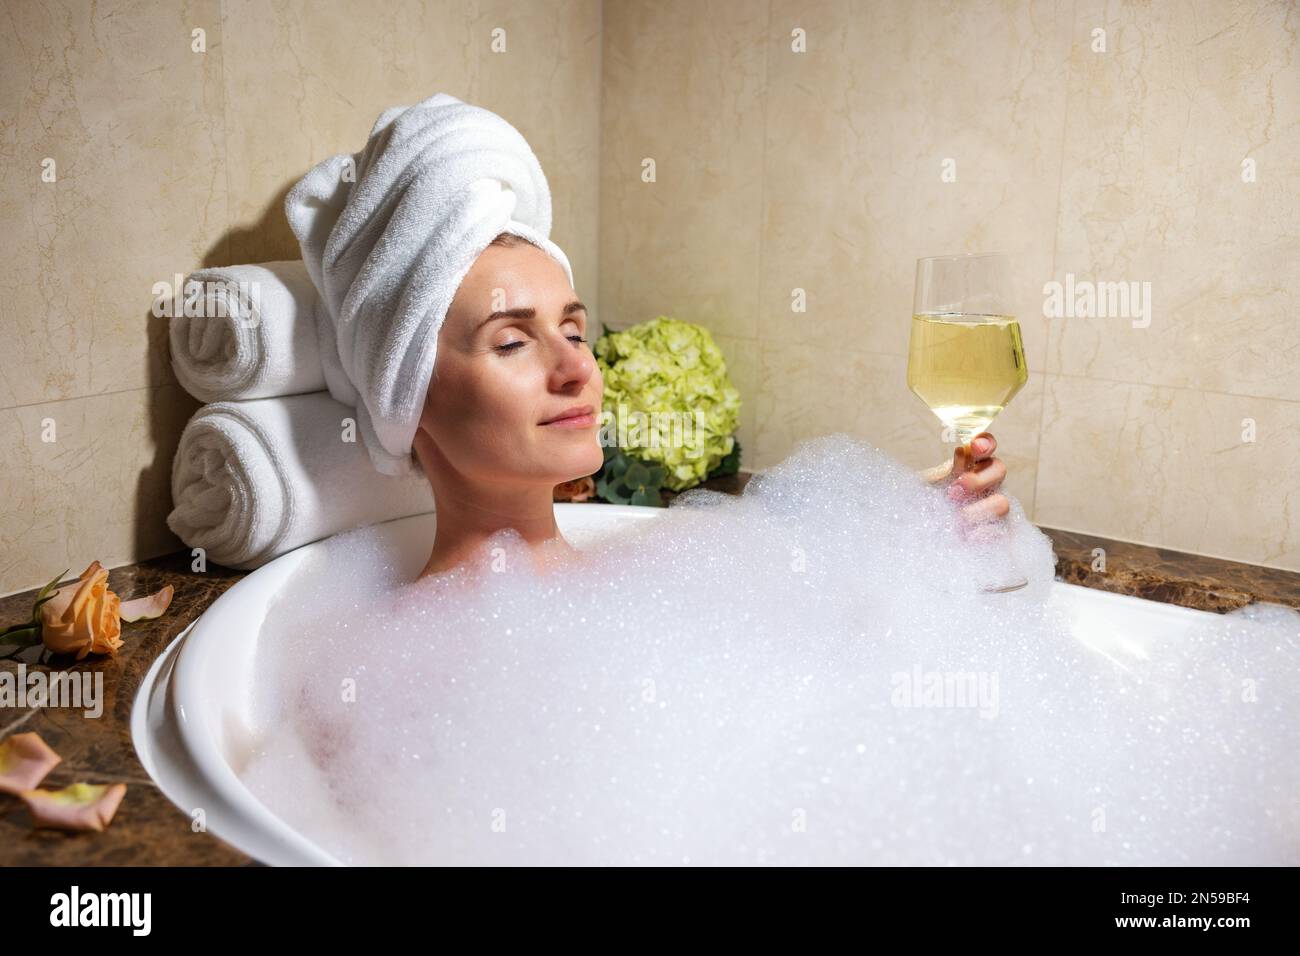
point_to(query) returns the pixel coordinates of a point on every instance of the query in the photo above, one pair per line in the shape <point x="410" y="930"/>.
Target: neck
<point x="468" y="513"/>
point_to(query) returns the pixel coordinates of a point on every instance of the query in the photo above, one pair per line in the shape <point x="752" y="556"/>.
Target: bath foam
<point x="807" y="673"/>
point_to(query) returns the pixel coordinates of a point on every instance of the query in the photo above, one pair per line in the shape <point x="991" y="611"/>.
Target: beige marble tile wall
<point x="1109" y="141"/>
<point x="165" y="159"/>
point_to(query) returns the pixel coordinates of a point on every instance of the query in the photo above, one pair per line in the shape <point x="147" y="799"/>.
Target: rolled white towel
<point x="252" y="480"/>
<point x="257" y="336"/>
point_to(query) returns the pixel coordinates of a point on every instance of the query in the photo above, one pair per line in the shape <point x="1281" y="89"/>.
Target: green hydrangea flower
<point x="668" y="399"/>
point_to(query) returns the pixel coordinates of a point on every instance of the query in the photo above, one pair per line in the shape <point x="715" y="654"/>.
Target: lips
<point x="577" y="416"/>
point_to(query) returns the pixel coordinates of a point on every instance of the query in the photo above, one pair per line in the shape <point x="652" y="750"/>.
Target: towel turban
<point x="387" y="235"/>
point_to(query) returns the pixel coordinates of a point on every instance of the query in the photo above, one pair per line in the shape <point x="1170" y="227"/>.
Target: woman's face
<point x="511" y="361"/>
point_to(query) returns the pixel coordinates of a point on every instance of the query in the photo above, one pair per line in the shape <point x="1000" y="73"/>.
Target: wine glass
<point x="966" y="360"/>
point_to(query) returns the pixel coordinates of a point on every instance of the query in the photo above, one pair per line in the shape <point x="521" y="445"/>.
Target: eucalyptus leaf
<point x="730" y="463"/>
<point x="646" y="498"/>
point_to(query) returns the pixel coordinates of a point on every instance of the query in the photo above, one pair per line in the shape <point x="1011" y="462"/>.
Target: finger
<point x="987" y="509"/>
<point x="982" y="446"/>
<point x="938" y="473"/>
<point x="960" y="460"/>
<point x="983" y="476"/>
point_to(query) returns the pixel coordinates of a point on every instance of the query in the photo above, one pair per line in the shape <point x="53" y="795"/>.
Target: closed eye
<point x="512" y="346"/>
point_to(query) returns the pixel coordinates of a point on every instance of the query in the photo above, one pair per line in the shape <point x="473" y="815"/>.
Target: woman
<point x="513" y="409"/>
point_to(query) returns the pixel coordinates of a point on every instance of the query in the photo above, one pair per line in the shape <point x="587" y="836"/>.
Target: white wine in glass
<point x="966" y="367"/>
<point x="966" y="359"/>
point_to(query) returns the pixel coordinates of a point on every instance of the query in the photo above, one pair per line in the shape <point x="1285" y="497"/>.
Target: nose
<point x="572" y="365"/>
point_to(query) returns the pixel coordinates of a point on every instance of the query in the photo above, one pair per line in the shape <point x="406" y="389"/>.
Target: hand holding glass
<point x="966" y="360"/>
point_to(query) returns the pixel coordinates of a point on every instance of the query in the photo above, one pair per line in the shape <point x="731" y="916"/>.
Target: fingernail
<point x="981" y="445"/>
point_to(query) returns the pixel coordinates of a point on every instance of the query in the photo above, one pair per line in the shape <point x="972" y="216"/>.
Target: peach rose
<point x="580" y="489"/>
<point x="83" y="617"/>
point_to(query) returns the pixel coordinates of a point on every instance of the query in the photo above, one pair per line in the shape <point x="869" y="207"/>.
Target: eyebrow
<point x="529" y="313"/>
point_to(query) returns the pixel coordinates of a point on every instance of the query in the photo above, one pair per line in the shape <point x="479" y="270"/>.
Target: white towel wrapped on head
<point x="252" y="480"/>
<point x="388" y="234"/>
<point x="256" y="336"/>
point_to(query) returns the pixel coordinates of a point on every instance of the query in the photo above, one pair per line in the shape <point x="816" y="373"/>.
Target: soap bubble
<point x="808" y="673"/>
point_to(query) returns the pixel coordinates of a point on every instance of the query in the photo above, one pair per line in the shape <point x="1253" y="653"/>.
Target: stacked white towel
<point x="254" y="335"/>
<point x="268" y="466"/>
<point x="252" y="480"/>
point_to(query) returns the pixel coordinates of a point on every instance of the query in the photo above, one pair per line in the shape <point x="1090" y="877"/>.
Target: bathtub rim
<point x="253" y="830"/>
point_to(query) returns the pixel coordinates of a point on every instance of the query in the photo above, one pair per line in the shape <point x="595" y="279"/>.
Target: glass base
<point x="1005" y="574"/>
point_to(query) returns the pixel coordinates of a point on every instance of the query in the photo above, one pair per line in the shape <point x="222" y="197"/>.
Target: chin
<point x="583" y="463"/>
<point x="568" y="456"/>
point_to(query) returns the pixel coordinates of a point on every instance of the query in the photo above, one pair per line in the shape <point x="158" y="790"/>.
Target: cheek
<point x="486" y="412"/>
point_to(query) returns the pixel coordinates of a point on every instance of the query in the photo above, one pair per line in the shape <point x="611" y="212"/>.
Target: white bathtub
<point x="192" y="712"/>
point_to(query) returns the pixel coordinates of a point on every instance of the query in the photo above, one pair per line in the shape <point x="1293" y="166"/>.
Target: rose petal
<point x="147" y="608"/>
<point x="25" y="759"/>
<point x="109" y="630"/>
<point x="82" y="806"/>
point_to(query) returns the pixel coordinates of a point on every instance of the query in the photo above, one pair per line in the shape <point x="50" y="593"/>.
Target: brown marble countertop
<point x="149" y="830"/>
